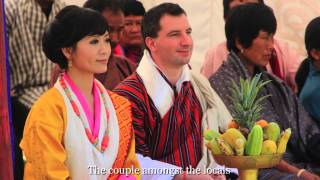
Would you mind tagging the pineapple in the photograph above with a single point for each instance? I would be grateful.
(246, 107)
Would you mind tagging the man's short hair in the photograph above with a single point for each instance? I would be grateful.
(151, 21)
(133, 8)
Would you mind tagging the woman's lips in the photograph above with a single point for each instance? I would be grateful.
(103, 61)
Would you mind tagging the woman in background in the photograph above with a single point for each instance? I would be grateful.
(78, 127)
(249, 30)
(308, 76)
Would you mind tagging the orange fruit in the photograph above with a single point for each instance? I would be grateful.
(233, 124)
(263, 123)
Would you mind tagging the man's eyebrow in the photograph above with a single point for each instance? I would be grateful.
(173, 31)
(178, 31)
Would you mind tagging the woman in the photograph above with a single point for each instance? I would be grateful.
(77, 129)
(249, 30)
(308, 75)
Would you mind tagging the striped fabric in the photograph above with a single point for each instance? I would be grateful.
(29, 68)
(174, 139)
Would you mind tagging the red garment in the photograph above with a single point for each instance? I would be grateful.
(118, 51)
(175, 138)
(134, 54)
(118, 69)
(275, 65)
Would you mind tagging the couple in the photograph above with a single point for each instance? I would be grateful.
(79, 119)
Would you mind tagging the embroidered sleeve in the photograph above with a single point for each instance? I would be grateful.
(42, 141)
(132, 161)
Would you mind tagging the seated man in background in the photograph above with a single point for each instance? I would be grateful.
(131, 40)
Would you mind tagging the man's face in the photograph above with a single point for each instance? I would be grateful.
(115, 21)
(174, 44)
(132, 31)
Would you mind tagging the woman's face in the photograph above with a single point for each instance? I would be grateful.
(91, 54)
(259, 53)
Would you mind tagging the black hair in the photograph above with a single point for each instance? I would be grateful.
(133, 7)
(246, 21)
(70, 25)
(312, 35)
(151, 21)
(302, 74)
(101, 5)
(311, 39)
(226, 7)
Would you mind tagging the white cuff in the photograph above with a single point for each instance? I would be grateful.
(156, 170)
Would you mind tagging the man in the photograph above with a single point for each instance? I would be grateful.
(131, 40)
(171, 106)
(284, 62)
(30, 70)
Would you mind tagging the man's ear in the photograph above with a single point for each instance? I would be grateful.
(67, 52)
(238, 45)
(150, 43)
(315, 54)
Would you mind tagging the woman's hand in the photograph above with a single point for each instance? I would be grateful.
(306, 175)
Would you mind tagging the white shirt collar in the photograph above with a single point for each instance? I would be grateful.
(157, 87)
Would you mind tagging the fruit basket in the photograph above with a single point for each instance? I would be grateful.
(248, 166)
(249, 143)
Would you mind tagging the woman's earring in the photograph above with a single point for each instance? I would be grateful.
(241, 51)
(70, 64)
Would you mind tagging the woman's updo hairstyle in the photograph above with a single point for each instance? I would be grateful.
(70, 25)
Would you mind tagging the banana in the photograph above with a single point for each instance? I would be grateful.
(210, 134)
(231, 135)
(225, 147)
(239, 146)
(282, 145)
(214, 147)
